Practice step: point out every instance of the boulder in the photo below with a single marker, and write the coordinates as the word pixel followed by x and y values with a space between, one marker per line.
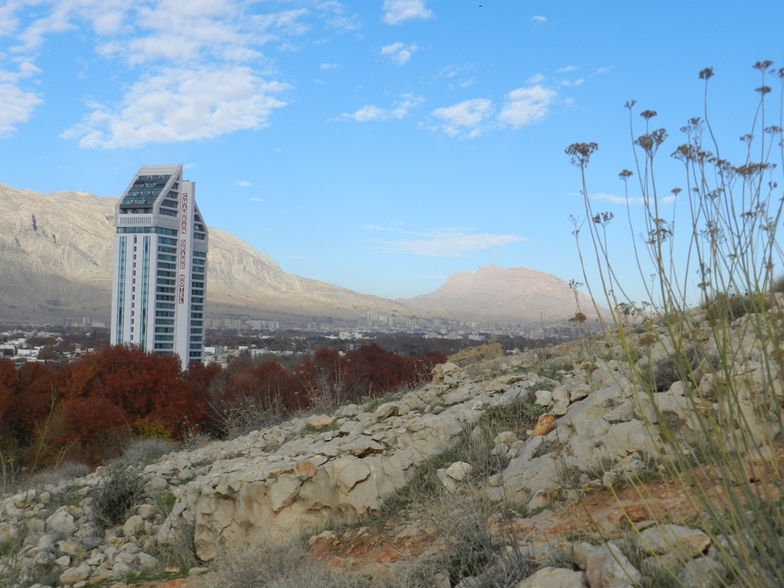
pixel 685 542
pixel 607 567
pixel 78 574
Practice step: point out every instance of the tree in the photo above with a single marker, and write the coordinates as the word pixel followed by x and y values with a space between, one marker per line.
pixel 143 386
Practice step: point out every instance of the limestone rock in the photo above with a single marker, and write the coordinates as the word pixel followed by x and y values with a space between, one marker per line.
pixel 554 578
pixel 133 526
pixel 607 567
pixel 61 523
pixel 674 538
pixel 459 470
pixel 703 572
pixel 78 574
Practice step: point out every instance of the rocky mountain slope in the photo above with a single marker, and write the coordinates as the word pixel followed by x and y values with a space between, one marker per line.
pixel 532 439
pixel 56 262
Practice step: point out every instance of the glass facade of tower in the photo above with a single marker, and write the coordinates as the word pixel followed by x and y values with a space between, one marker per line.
pixel 159 287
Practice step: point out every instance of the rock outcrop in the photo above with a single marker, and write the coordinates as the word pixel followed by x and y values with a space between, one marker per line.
pixel 298 476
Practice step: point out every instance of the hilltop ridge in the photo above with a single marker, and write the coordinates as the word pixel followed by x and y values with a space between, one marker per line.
pixel 56 253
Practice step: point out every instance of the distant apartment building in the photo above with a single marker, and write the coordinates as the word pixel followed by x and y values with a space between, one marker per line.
pixel 160 265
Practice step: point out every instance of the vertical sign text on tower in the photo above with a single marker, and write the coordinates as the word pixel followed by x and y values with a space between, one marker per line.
pixel 183 252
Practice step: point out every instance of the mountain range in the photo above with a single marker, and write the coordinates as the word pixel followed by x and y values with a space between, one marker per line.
pixel 56 254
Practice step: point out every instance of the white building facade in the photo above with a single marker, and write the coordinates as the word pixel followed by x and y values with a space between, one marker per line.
pixel 160 265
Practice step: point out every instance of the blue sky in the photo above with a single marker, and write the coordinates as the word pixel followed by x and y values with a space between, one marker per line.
pixel 379 145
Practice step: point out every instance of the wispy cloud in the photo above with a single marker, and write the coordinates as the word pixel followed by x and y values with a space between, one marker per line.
pixel 397 11
pixel 377 228
pixel 466 119
pixel 399 110
pixel 452 72
pixel 328 66
pixel 255 199
pixel 567 69
pixel 336 17
pixel 633 200
pixel 180 105
pixel 538 19
pixel 242 183
pixel 449 242
pixel 399 53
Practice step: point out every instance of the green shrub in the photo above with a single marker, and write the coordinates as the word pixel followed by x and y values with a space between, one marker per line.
pixel 114 500
pixel 724 308
pixel 678 367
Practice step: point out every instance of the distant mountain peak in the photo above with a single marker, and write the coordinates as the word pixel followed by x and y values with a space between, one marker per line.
pixel 493 294
pixel 56 253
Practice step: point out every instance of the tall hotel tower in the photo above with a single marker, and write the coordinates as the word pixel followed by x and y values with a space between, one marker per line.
pixel 160 265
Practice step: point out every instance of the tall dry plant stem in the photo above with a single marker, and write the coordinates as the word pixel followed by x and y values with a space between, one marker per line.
pixel 716 322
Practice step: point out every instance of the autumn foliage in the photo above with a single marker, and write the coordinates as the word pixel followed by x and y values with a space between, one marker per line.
pixel 89 409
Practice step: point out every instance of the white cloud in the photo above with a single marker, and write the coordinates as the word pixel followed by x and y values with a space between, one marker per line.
pixel 184 32
pixel 328 66
pixel 377 228
pixel 538 19
pixel 8 20
pixel 398 52
pixel 17 108
pixel 399 110
pixel 17 104
pixel 368 113
pixel 242 183
pixel 178 104
pixel 449 242
pixel 465 119
pixel 255 199
pixel 570 83
pixel 204 73
pixel 397 11
pixel 525 106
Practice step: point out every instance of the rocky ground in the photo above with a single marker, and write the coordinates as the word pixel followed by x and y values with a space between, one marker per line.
pixel 552 455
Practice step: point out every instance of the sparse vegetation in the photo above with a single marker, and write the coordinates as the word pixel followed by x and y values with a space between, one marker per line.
pixel 734 214
pixel 114 500
pixel 283 566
